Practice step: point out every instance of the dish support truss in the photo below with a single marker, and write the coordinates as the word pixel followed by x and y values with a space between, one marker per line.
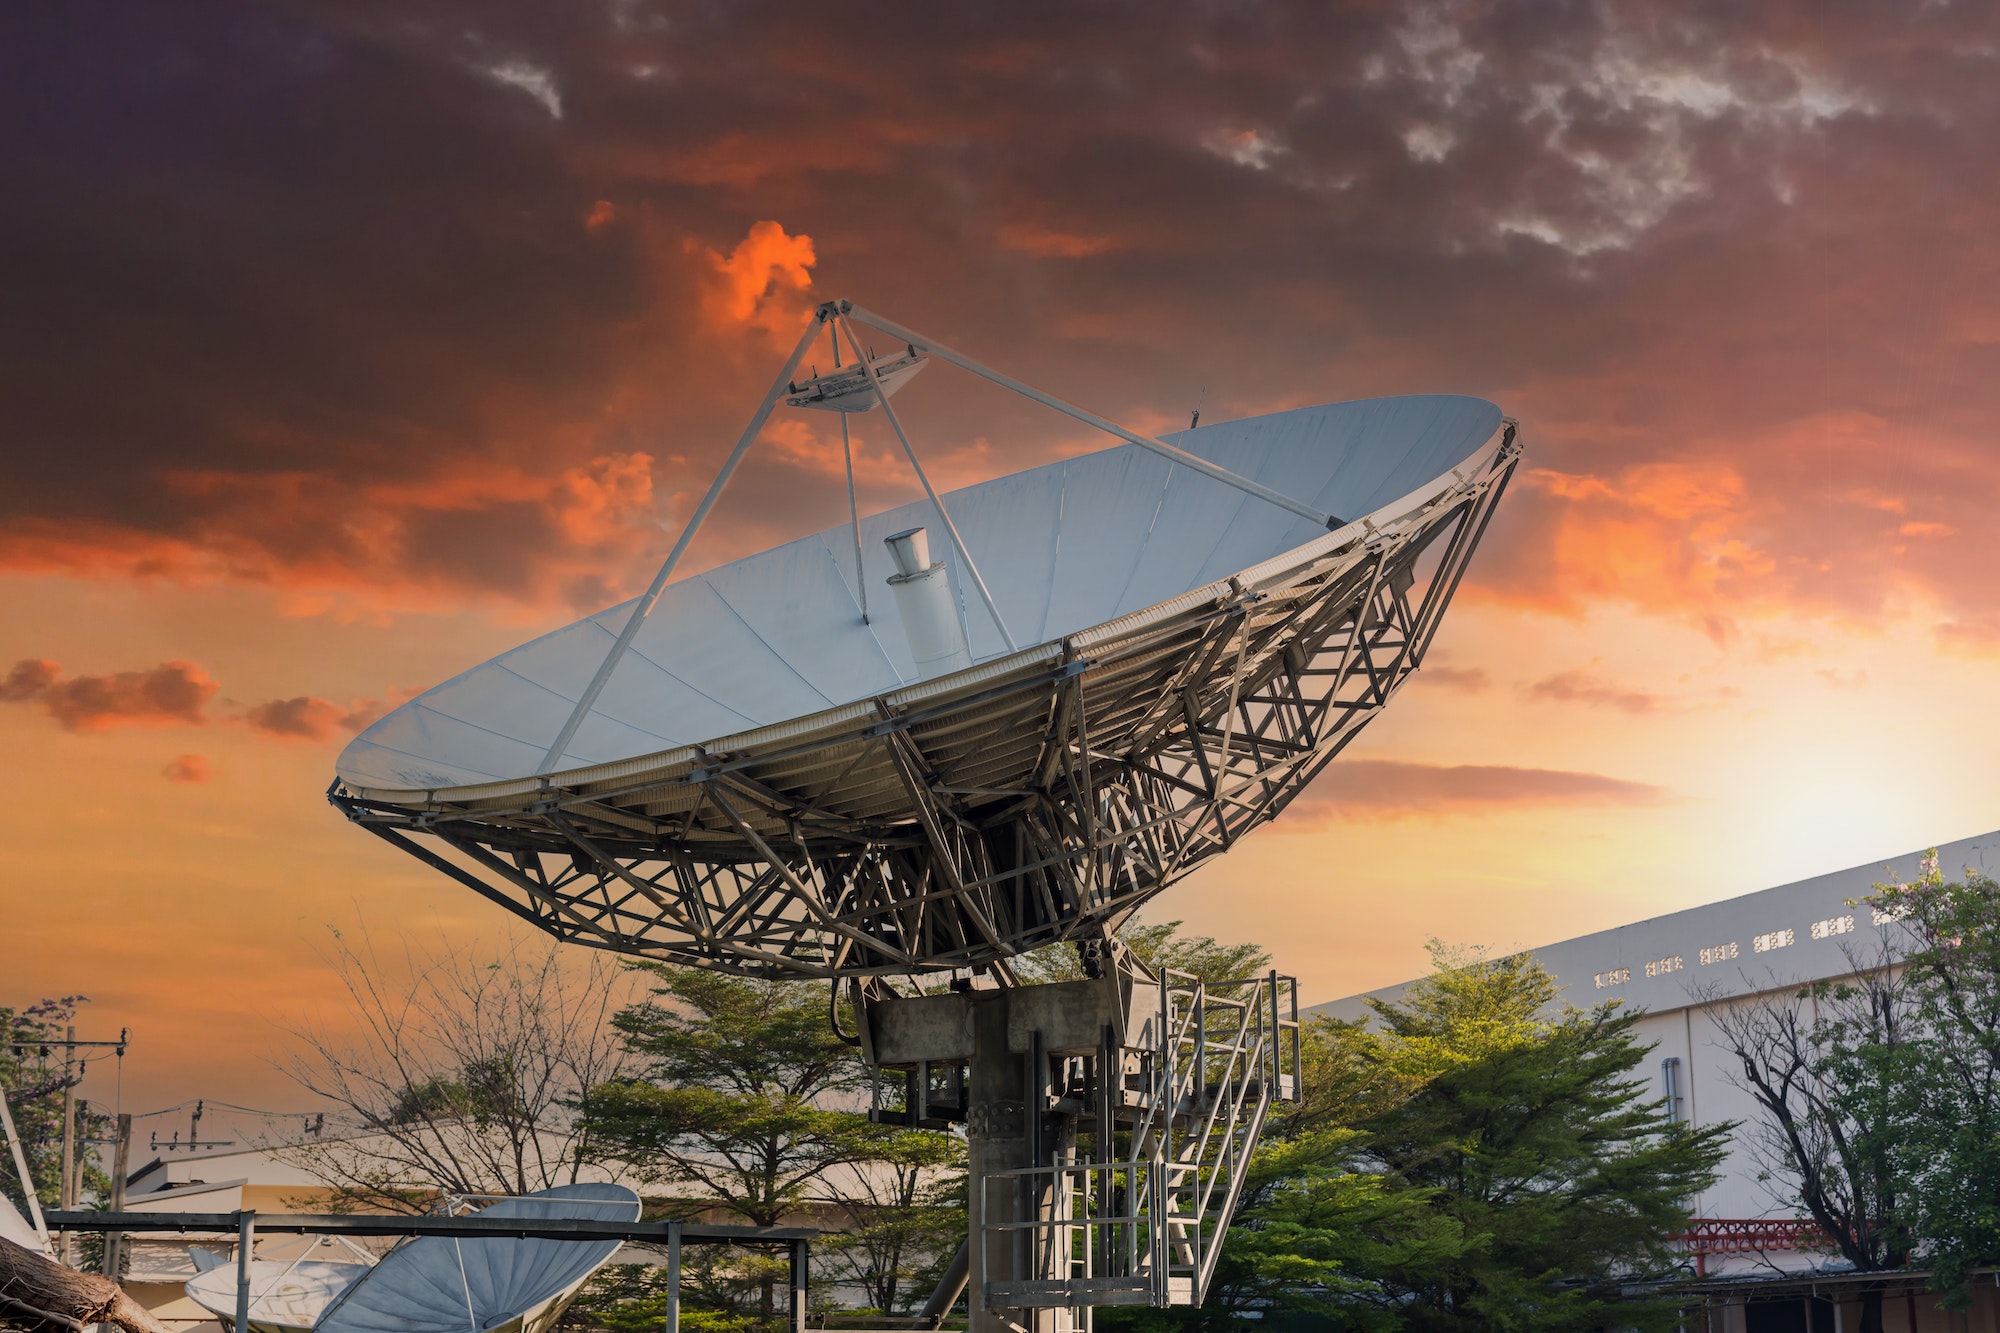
pixel 1111 1123
pixel 956 823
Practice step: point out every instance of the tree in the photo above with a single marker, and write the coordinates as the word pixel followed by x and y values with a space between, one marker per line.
pixel 1500 1166
pixel 34 1078
pixel 1947 1142
pixel 465 1077
pixel 1158 945
pixel 37 1293
pixel 737 1100
pixel 719 1293
pixel 1880 1091
pixel 905 1211
pixel 1828 1066
pixel 1323 1227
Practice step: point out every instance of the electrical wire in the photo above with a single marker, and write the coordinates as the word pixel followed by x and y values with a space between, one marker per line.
pixel 227 1106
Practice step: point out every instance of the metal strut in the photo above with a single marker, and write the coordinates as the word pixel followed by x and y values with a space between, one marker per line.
pixel 1160 447
pixel 951 528
pixel 644 606
pixel 853 509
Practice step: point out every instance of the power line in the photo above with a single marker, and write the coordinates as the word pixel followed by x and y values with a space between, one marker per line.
pixel 227 1106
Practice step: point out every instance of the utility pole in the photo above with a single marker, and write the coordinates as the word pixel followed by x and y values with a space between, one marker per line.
pixel 121 1163
pixel 76 1168
pixel 65 1186
pixel 69 1184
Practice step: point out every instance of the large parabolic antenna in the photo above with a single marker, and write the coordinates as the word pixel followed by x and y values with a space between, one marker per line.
pixel 851 756
pixel 938 737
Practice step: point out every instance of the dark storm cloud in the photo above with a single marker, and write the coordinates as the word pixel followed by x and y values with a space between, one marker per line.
pixel 288 277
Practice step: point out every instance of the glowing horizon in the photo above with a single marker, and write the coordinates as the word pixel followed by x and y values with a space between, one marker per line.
pixel 344 353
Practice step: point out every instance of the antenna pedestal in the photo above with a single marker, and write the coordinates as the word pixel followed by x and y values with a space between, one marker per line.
pixel 1109 1121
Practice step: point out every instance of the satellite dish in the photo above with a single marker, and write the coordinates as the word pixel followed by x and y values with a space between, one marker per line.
pixel 456 1284
pixel 284 1297
pixel 1089 677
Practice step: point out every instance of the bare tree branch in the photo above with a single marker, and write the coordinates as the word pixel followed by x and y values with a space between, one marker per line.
pixel 459 1071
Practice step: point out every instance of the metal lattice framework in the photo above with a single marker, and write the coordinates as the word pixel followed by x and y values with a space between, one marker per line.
pixel 1039 797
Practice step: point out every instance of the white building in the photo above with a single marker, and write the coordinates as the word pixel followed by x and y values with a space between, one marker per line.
pixel 1684 968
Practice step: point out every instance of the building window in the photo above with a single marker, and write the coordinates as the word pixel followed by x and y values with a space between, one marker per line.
pixel 1660 967
pixel 1777 939
pixel 1670 1087
pixel 1718 953
pixel 1833 925
pixel 1617 976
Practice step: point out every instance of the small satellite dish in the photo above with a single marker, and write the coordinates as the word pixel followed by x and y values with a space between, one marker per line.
pixel 1089 677
pixel 284 1297
pixel 455 1284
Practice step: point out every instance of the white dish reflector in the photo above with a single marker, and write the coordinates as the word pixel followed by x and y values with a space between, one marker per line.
pixel 779 635
pixel 454 1284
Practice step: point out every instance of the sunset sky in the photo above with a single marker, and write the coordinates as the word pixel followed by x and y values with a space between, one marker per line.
pixel 344 345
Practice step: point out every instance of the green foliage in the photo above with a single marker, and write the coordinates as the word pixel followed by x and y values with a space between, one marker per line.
pixel 33 1080
pixel 744 1102
pixel 905 1215
pixel 1480 1159
pixel 1328 1234
pixel 1533 1134
pixel 1477 1157
pixel 1941 1084
pixel 1158 945
pixel 632 1298
pixel 1879 1092
pixel 733 1099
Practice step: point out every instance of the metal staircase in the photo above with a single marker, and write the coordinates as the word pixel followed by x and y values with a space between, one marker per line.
pixel 1169 1119
pixel 1109 1121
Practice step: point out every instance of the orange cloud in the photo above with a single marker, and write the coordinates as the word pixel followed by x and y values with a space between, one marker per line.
pixel 29 679
pixel 421 542
pixel 1470 680
pixel 172 694
pixel 1583 686
pixel 1031 238
pixel 309 718
pixel 1962 638
pixel 188 768
pixel 1362 790
pixel 303 718
pixel 753 282
pixel 177 694
pixel 1663 534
